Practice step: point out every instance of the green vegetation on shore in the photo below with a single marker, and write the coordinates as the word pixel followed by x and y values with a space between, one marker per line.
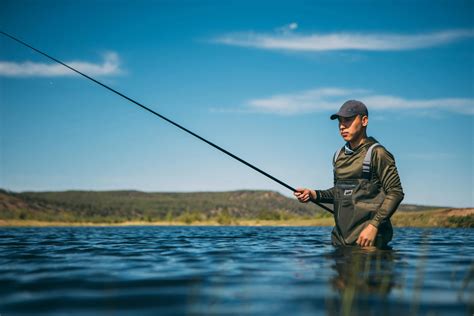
pixel 198 208
pixel 120 206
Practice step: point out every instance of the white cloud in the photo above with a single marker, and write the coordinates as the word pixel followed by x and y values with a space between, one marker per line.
pixel 459 105
pixel 286 29
pixel 330 99
pixel 285 39
pixel 110 66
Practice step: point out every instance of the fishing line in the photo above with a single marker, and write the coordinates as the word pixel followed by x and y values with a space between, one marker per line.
pixel 164 118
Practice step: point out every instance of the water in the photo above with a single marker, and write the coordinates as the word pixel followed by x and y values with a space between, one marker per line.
pixel 231 271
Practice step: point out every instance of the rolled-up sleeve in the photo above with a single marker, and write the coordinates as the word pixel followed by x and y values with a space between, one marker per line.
pixel 386 171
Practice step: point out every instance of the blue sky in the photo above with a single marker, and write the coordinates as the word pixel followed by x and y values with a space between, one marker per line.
pixel 258 79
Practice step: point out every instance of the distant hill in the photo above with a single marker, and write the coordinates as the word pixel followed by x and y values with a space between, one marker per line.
pixel 418 208
pixel 113 206
pixel 119 206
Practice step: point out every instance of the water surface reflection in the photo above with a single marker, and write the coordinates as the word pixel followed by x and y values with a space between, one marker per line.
pixel 362 273
pixel 231 270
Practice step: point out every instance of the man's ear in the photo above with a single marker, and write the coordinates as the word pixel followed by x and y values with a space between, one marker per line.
pixel 365 120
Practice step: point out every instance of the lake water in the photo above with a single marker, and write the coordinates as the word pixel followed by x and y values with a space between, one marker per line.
pixel 232 271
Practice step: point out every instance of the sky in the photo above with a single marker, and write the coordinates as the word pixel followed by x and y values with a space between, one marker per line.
pixel 259 78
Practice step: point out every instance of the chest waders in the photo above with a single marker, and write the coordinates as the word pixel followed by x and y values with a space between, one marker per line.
pixel 355 203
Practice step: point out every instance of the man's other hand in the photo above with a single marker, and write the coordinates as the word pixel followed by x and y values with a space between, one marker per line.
pixel 367 236
pixel 304 195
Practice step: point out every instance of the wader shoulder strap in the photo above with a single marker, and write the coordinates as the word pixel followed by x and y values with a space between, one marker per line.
pixel 335 157
pixel 334 163
pixel 366 174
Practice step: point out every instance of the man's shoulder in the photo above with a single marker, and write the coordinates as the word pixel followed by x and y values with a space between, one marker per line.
pixel 380 152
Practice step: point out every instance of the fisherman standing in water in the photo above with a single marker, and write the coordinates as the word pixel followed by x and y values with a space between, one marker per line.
pixel 367 188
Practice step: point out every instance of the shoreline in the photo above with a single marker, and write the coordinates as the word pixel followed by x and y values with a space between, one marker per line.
pixel 449 218
pixel 243 222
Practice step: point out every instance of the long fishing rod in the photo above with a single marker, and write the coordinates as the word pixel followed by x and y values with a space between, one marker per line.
pixel 164 118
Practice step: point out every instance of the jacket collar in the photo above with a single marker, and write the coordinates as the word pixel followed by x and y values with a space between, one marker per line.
pixel 350 151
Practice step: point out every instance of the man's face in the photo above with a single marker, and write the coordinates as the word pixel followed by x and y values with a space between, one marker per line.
pixel 352 127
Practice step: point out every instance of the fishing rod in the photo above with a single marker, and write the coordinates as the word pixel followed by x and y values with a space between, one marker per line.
pixel 164 118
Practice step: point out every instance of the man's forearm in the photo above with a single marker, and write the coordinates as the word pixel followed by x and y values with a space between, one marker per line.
pixel 390 180
pixel 325 196
pixel 389 206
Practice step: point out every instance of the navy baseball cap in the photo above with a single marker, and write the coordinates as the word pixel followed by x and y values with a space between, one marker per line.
pixel 351 108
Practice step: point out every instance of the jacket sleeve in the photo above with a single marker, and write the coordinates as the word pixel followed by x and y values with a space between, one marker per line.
pixel 384 167
pixel 325 196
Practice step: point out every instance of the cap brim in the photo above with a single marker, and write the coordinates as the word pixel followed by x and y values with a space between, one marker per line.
pixel 337 115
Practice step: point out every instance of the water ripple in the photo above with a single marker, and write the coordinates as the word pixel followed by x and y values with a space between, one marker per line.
pixel 231 270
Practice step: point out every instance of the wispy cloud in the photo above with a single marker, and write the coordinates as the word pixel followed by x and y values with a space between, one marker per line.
pixel 286 39
pixel 288 28
pixel 325 99
pixel 109 66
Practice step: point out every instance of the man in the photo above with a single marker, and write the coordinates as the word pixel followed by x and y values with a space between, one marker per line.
pixel 367 188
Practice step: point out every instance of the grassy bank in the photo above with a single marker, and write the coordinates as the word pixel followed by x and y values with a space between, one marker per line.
pixel 451 218
pixel 462 217
pixel 266 208
pixel 241 222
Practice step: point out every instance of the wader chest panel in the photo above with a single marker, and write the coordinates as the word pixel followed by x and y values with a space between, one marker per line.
pixel 355 203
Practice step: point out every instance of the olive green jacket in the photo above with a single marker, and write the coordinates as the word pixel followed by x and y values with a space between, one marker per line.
pixel 384 175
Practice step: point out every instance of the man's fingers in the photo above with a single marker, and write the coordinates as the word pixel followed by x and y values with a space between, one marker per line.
pixel 302 194
pixel 299 193
pixel 301 197
pixel 365 242
pixel 362 241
